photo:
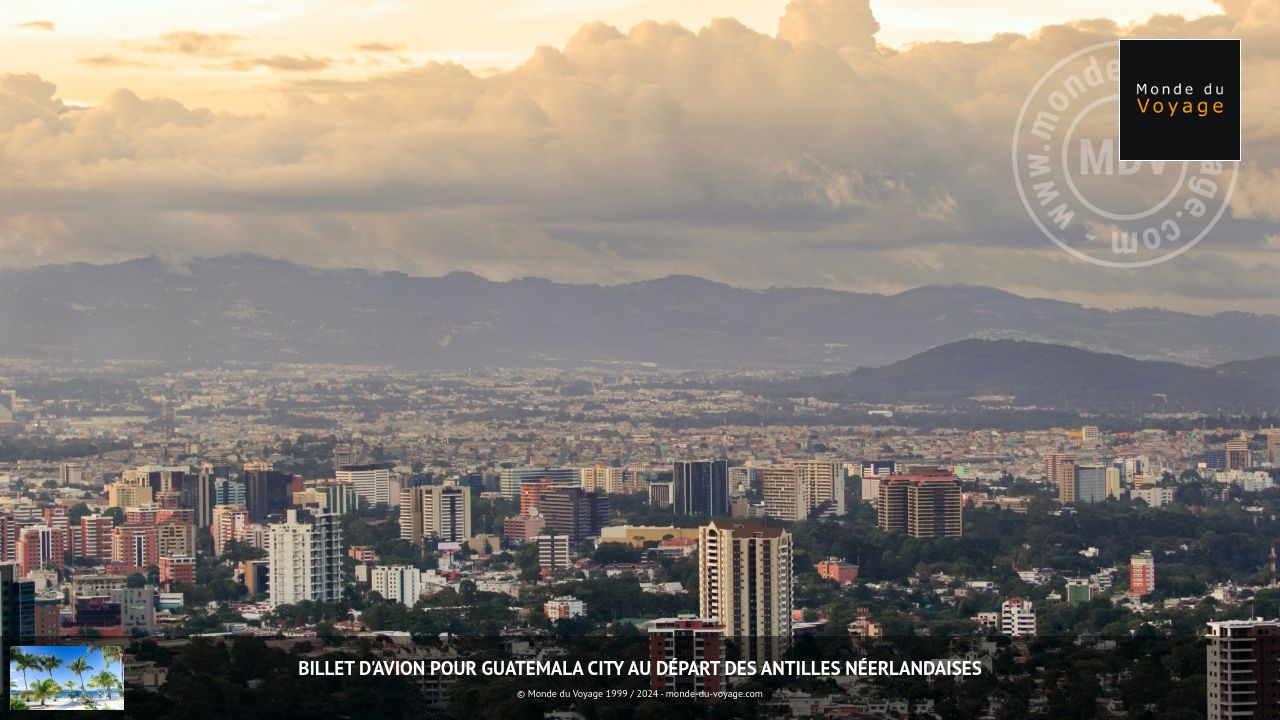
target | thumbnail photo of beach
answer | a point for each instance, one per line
(66, 677)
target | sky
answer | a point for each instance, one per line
(64, 678)
(836, 143)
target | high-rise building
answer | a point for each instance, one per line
(214, 486)
(1242, 672)
(744, 584)
(1018, 617)
(662, 494)
(925, 504)
(685, 639)
(178, 569)
(701, 487)
(1060, 472)
(95, 537)
(1090, 435)
(371, 481)
(1091, 483)
(1273, 445)
(1238, 454)
(17, 607)
(573, 512)
(230, 522)
(742, 479)
(175, 539)
(305, 557)
(785, 494)
(1142, 574)
(1113, 482)
(523, 528)
(554, 553)
(70, 474)
(802, 490)
(40, 547)
(869, 474)
(160, 478)
(442, 512)
(601, 478)
(267, 491)
(331, 496)
(135, 546)
(123, 494)
(510, 480)
(398, 583)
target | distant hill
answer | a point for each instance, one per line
(247, 307)
(976, 372)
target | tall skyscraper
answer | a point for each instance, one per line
(554, 553)
(95, 537)
(573, 512)
(1242, 672)
(701, 487)
(372, 482)
(1060, 472)
(40, 546)
(785, 495)
(442, 512)
(267, 491)
(744, 584)
(17, 607)
(206, 495)
(510, 480)
(1273, 445)
(1238, 454)
(926, 504)
(802, 490)
(135, 546)
(1091, 483)
(305, 557)
(1142, 574)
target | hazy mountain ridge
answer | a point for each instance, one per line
(246, 307)
(1018, 373)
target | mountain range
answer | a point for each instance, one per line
(253, 308)
(993, 373)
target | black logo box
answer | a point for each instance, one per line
(1180, 62)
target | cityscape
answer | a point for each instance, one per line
(612, 359)
(296, 503)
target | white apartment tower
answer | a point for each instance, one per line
(744, 572)
(305, 559)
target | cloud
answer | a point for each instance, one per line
(809, 157)
(188, 42)
(44, 25)
(832, 23)
(283, 63)
(108, 60)
(379, 47)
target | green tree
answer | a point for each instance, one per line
(24, 662)
(49, 663)
(79, 667)
(42, 690)
(106, 681)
